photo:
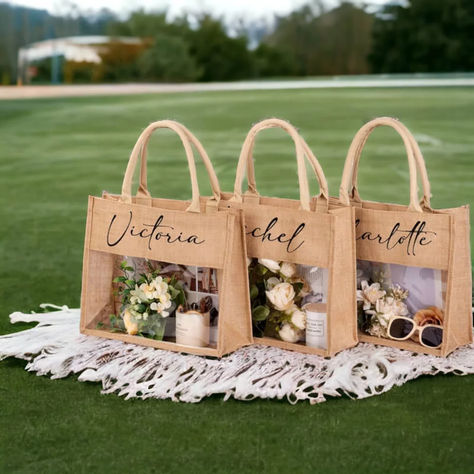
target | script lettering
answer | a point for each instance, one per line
(291, 241)
(410, 238)
(150, 232)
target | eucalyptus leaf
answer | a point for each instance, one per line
(262, 269)
(253, 292)
(120, 279)
(260, 313)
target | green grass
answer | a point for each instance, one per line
(53, 153)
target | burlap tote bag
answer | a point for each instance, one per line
(413, 262)
(301, 259)
(166, 273)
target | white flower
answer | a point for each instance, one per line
(298, 317)
(160, 285)
(389, 307)
(272, 265)
(398, 292)
(376, 329)
(272, 282)
(288, 269)
(138, 295)
(281, 296)
(159, 308)
(288, 333)
(145, 316)
(165, 299)
(148, 290)
(249, 261)
(130, 325)
(369, 294)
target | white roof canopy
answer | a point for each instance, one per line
(73, 48)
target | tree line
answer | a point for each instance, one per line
(420, 36)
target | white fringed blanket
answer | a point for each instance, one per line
(55, 348)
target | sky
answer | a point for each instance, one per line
(249, 9)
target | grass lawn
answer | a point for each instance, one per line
(55, 152)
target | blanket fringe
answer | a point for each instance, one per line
(56, 348)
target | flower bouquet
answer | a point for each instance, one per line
(383, 311)
(276, 295)
(146, 302)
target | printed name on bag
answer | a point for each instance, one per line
(152, 232)
(410, 238)
(291, 241)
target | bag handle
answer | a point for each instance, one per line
(415, 161)
(302, 151)
(143, 186)
(187, 138)
(426, 199)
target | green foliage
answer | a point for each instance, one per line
(260, 313)
(424, 36)
(313, 41)
(271, 61)
(220, 57)
(148, 25)
(168, 59)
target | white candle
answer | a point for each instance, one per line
(316, 325)
(192, 328)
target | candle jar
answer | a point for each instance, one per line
(316, 325)
(192, 328)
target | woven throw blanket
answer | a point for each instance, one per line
(54, 347)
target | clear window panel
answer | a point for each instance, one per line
(289, 301)
(401, 302)
(166, 301)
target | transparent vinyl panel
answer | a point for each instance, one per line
(165, 301)
(289, 302)
(401, 302)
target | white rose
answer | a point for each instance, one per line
(272, 282)
(270, 264)
(298, 317)
(130, 325)
(288, 269)
(281, 296)
(289, 334)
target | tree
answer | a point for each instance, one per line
(424, 36)
(220, 56)
(320, 42)
(168, 60)
(272, 62)
(148, 25)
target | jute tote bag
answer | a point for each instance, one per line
(301, 258)
(413, 262)
(166, 273)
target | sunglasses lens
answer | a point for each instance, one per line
(432, 336)
(401, 328)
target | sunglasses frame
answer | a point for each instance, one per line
(416, 327)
